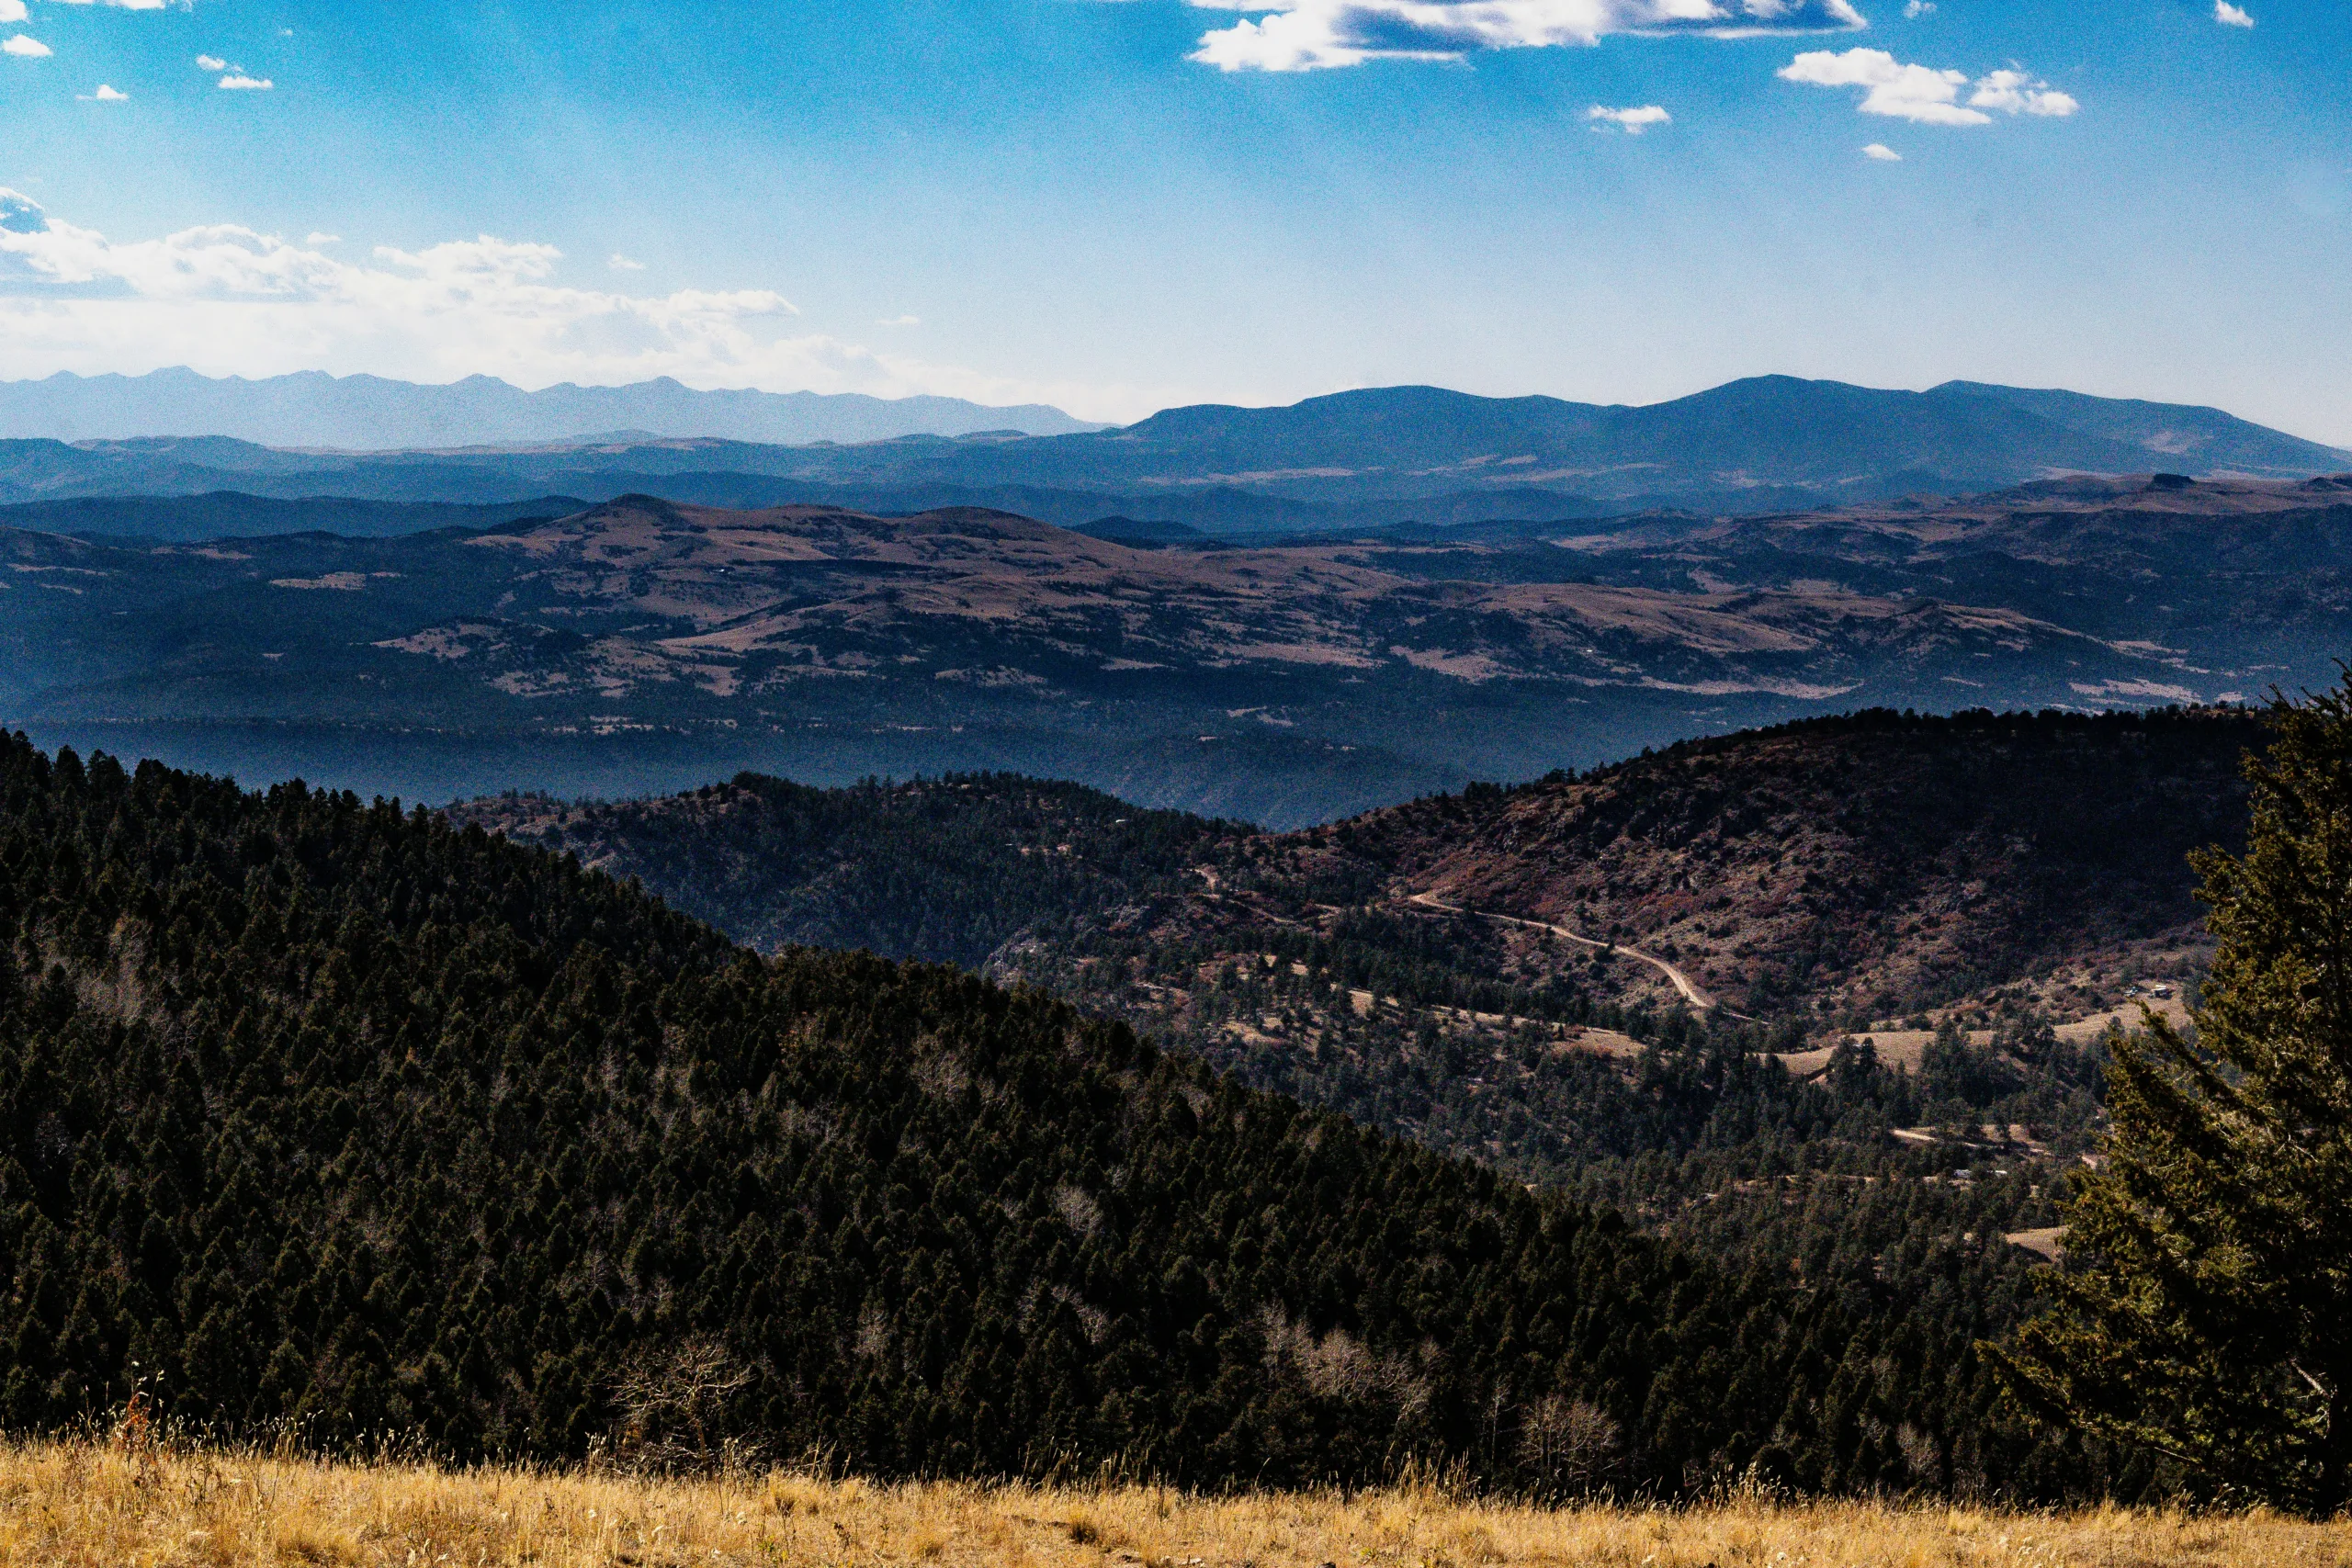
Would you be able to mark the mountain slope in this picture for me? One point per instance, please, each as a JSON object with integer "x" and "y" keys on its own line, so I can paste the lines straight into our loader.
{"x": 321, "y": 1113}
{"x": 312, "y": 408}
{"x": 1874, "y": 865}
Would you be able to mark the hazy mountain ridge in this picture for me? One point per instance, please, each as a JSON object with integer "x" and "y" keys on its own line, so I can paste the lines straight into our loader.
{"x": 1352, "y": 459}
{"x": 312, "y": 408}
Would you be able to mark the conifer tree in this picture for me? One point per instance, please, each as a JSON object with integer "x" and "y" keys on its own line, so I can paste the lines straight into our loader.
{"x": 2207, "y": 1310}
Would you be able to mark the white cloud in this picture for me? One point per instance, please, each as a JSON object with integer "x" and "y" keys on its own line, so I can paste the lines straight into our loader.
{"x": 1924, "y": 95}
{"x": 244, "y": 84}
{"x": 133, "y": 5}
{"x": 625, "y": 263}
{"x": 104, "y": 94}
{"x": 1311, "y": 35}
{"x": 2231, "y": 16}
{"x": 1918, "y": 8}
{"x": 899, "y": 321}
{"x": 12, "y": 10}
{"x": 1632, "y": 122}
{"x": 316, "y": 238}
{"x": 210, "y": 62}
{"x": 26, "y": 48}
{"x": 227, "y": 300}
{"x": 1879, "y": 151}
{"x": 2015, "y": 93}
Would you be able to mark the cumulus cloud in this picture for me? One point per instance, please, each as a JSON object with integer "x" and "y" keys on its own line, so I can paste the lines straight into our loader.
{"x": 1880, "y": 153}
{"x": 12, "y": 10}
{"x": 26, "y": 48}
{"x": 2013, "y": 92}
{"x": 210, "y": 62}
{"x": 1918, "y": 8}
{"x": 1927, "y": 97}
{"x": 1315, "y": 35}
{"x": 104, "y": 94}
{"x": 2231, "y": 16}
{"x": 1632, "y": 122}
{"x": 225, "y": 299}
{"x": 244, "y": 84}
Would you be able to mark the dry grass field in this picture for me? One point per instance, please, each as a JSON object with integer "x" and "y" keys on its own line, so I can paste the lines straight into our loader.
{"x": 96, "y": 1505}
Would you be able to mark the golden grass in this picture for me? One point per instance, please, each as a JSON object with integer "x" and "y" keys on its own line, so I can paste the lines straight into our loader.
{"x": 70, "y": 1504}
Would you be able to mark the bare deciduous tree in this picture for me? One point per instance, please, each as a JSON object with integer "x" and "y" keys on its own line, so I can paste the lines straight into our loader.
{"x": 674, "y": 1410}
{"x": 1567, "y": 1444}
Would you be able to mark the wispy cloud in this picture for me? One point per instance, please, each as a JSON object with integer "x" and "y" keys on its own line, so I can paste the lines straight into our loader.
{"x": 2231, "y": 16}
{"x": 899, "y": 321}
{"x": 210, "y": 62}
{"x": 244, "y": 84}
{"x": 20, "y": 214}
{"x": 1918, "y": 8}
{"x": 1925, "y": 96}
{"x": 104, "y": 94}
{"x": 1880, "y": 153}
{"x": 1317, "y": 35}
{"x": 317, "y": 238}
{"x": 1632, "y": 122}
{"x": 25, "y": 47}
{"x": 620, "y": 262}
{"x": 229, "y": 300}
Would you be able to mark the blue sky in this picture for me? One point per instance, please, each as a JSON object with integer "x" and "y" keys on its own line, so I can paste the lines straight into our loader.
{"x": 1120, "y": 204}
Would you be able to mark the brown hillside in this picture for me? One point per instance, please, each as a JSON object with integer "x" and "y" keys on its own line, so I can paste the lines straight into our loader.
{"x": 1871, "y": 867}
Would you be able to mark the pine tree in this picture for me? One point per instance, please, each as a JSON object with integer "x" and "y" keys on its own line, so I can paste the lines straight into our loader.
{"x": 2207, "y": 1311}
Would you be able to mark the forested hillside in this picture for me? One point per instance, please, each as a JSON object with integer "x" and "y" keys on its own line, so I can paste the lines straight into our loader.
{"x": 321, "y": 1114}
{"x": 1942, "y": 891}
{"x": 941, "y": 869}
{"x": 1880, "y": 874}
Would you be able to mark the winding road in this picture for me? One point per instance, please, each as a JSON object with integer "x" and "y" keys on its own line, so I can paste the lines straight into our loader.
{"x": 1682, "y": 981}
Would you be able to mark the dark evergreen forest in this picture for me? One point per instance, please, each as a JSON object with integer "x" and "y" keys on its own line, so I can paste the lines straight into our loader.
{"x": 326, "y": 1118}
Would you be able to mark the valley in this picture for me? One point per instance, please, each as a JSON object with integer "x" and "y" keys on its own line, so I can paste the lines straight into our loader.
{"x": 641, "y": 644}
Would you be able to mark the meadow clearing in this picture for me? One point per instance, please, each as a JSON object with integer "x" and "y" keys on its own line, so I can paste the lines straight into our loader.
{"x": 97, "y": 1505}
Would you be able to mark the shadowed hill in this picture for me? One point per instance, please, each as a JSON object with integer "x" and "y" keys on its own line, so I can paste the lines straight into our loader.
{"x": 944, "y": 869}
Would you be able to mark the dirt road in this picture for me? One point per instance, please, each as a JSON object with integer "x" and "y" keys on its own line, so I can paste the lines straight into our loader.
{"x": 1682, "y": 981}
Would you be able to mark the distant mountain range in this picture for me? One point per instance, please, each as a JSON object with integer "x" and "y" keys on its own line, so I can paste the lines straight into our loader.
{"x": 370, "y": 413}
{"x": 1351, "y": 460}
